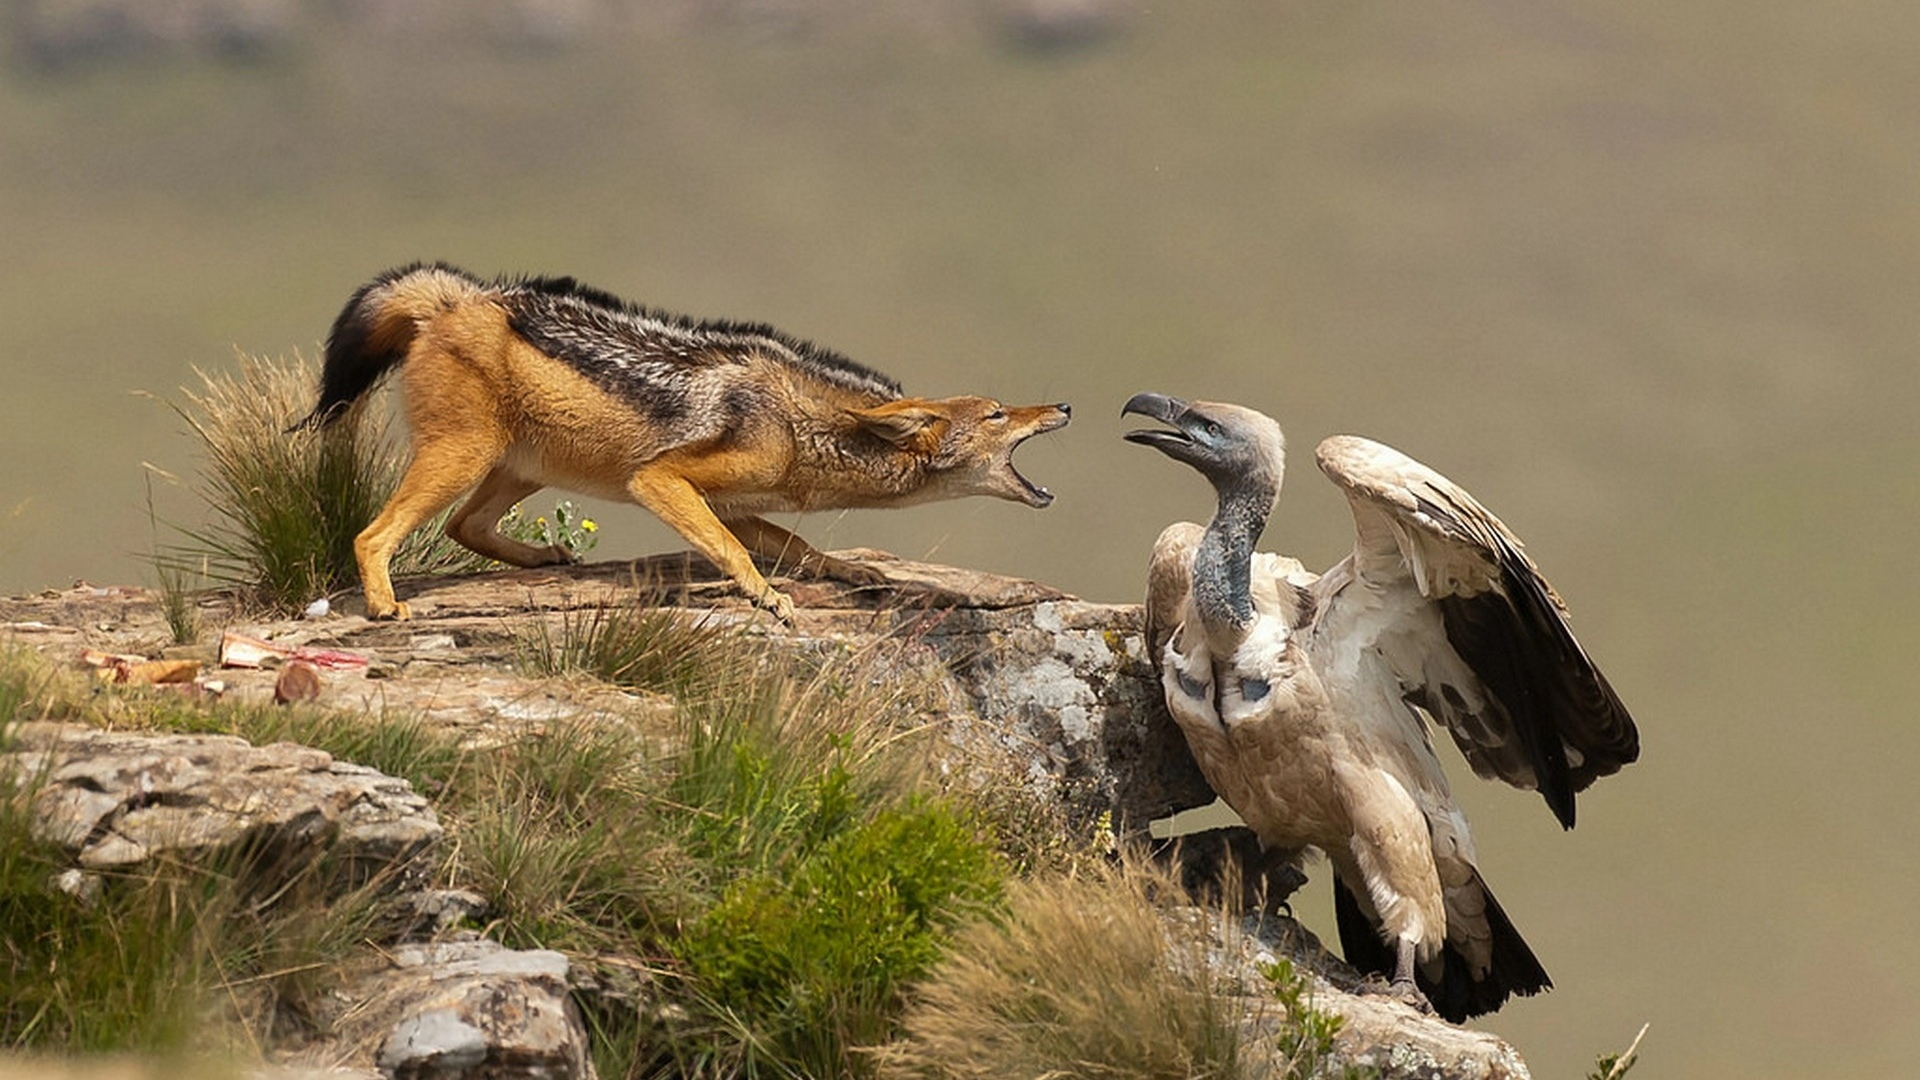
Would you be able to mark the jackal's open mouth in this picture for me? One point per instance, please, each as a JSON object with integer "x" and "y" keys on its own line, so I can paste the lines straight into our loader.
{"x": 1035, "y": 495}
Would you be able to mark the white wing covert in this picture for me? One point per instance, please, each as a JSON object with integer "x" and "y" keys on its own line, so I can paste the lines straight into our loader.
{"x": 1486, "y": 649}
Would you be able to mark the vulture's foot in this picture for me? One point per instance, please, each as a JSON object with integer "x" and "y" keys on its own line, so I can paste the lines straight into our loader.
{"x": 1408, "y": 994}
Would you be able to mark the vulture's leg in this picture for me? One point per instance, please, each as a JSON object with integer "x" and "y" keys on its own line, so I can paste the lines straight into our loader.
{"x": 1404, "y": 988}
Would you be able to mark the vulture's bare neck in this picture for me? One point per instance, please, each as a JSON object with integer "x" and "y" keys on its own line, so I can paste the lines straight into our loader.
{"x": 1222, "y": 565}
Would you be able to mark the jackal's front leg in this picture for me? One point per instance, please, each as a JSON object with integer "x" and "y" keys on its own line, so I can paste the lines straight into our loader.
{"x": 678, "y": 503}
{"x": 770, "y": 541}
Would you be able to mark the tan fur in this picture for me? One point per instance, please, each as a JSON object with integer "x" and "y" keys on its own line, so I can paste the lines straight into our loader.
{"x": 492, "y": 414}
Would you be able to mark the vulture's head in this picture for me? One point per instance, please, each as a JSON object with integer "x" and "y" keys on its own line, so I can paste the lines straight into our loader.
{"x": 1236, "y": 448}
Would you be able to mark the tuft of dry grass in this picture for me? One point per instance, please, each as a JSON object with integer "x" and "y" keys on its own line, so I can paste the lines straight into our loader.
{"x": 1079, "y": 979}
{"x": 286, "y": 505}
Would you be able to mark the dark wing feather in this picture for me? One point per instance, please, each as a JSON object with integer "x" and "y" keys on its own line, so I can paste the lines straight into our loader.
{"x": 1519, "y": 695}
{"x": 1566, "y": 716}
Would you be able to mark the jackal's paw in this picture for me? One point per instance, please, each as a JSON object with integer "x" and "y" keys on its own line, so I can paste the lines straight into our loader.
{"x": 555, "y": 555}
{"x": 779, "y": 604}
{"x": 397, "y": 612}
{"x": 852, "y": 573}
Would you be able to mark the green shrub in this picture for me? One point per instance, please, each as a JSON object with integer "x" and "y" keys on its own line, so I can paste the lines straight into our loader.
{"x": 813, "y": 960}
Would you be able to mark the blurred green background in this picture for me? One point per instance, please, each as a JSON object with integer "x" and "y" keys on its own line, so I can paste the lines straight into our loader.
{"x": 1640, "y": 275}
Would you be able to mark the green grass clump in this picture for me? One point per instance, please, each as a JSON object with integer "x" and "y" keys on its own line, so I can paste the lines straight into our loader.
{"x": 286, "y": 506}
{"x": 637, "y": 643}
{"x": 813, "y": 960}
{"x": 771, "y": 851}
{"x": 20, "y": 673}
{"x": 556, "y": 831}
{"x": 396, "y": 744}
{"x": 117, "y": 975}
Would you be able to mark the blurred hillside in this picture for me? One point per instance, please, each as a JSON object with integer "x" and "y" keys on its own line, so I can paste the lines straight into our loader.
{"x": 54, "y": 35}
{"x": 1638, "y": 275}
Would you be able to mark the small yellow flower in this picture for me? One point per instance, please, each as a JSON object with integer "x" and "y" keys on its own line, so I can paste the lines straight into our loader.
{"x": 541, "y": 521}
{"x": 589, "y": 525}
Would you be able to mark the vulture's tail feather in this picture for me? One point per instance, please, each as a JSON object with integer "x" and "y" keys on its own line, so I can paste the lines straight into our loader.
{"x": 1455, "y": 993}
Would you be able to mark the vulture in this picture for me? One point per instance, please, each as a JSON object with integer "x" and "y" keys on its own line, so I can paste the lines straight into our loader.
{"x": 1305, "y": 697}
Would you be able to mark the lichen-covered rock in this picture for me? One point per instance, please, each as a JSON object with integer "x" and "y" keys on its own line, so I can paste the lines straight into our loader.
{"x": 1063, "y": 689}
{"x": 119, "y": 799}
{"x": 475, "y": 1010}
{"x": 1377, "y": 1031}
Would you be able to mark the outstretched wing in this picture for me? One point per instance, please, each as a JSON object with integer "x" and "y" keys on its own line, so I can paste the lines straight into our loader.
{"x": 1499, "y": 666}
{"x": 1169, "y": 584}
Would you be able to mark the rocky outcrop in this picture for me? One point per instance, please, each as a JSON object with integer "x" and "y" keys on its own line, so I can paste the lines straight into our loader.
{"x": 475, "y": 1009}
{"x": 1040, "y": 693}
{"x": 116, "y": 800}
{"x": 1041, "y": 686}
{"x": 1377, "y": 1031}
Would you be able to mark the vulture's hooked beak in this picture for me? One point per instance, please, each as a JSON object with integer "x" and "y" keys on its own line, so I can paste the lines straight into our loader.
{"x": 1177, "y": 443}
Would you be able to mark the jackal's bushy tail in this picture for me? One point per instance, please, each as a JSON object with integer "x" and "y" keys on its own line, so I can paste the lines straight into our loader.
{"x": 376, "y": 328}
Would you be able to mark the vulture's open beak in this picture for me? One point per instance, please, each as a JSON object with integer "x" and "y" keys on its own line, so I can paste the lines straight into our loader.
{"x": 1167, "y": 410}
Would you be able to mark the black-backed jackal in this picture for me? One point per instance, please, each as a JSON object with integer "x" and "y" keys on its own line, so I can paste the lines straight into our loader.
{"x": 510, "y": 386}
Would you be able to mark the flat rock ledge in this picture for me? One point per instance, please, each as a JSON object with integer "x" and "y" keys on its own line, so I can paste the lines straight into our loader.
{"x": 1041, "y": 692}
{"x": 116, "y": 800}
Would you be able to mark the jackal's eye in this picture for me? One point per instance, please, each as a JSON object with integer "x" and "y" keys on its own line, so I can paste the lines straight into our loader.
{"x": 997, "y": 414}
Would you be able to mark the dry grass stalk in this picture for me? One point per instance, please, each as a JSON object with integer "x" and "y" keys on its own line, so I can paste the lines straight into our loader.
{"x": 1080, "y": 979}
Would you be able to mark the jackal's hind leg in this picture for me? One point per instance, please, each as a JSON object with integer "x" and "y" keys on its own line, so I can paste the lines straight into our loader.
{"x": 788, "y": 551}
{"x": 476, "y": 525}
{"x": 678, "y": 503}
{"x": 440, "y": 471}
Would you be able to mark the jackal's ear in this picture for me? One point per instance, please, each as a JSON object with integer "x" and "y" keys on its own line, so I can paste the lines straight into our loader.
{"x": 897, "y": 423}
